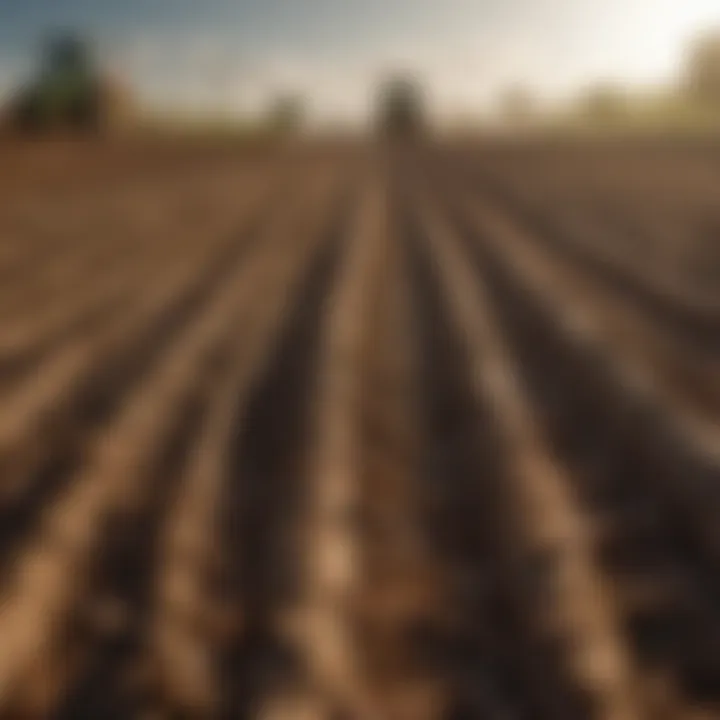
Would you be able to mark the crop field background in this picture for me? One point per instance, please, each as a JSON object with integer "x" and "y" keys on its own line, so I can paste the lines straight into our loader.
{"x": 360, "y": 431}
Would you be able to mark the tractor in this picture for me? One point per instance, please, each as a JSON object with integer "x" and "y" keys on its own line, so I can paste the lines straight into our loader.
{"x": 67, "y": 94}
{"x": 401, "y": 111}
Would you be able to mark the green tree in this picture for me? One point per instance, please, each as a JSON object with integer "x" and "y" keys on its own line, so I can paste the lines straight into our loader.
{"x": 605, "y": 103}
{"x": 702, "y": 70}
{"x": 517, "y": 105}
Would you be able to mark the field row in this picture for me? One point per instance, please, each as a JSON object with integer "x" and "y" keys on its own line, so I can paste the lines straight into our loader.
{"x": 354, "y": 433}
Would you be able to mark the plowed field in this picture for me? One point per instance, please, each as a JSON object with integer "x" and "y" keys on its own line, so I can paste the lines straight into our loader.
{"x": 360, "y": 433}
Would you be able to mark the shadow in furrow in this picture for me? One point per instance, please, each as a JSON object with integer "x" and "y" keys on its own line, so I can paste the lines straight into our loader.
{"x": 495, "y": 662}
{"x": 68, "y": 431}
{"x": 266, "y": 493}
{"x": 701, "y": 329}
{"x": 121, "y": 584}
{"x": 657, "y": 501}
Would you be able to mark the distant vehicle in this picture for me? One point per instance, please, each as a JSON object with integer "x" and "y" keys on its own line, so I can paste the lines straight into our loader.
{"x": 286, "y": 115}
{"x": 401, "y": 109}
{"x": 68, "y": 93}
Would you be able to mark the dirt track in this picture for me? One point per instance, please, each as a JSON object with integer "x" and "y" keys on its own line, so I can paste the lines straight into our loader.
{"x": 389, "y": 433}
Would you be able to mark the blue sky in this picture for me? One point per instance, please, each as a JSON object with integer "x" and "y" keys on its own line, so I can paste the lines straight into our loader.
{"x": 231, "y": 55}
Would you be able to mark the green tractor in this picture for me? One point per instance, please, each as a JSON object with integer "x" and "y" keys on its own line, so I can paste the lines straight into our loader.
{"x": 65, "y": 94}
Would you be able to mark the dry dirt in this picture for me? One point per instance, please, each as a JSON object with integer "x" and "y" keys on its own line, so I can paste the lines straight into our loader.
{"x": 360, "y": 433}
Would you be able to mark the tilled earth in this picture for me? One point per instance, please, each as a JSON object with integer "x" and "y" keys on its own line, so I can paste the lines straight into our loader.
{"x": 360, "y": 433}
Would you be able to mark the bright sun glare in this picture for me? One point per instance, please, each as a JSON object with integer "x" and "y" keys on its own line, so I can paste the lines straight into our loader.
{"x": 654, "y": 33}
